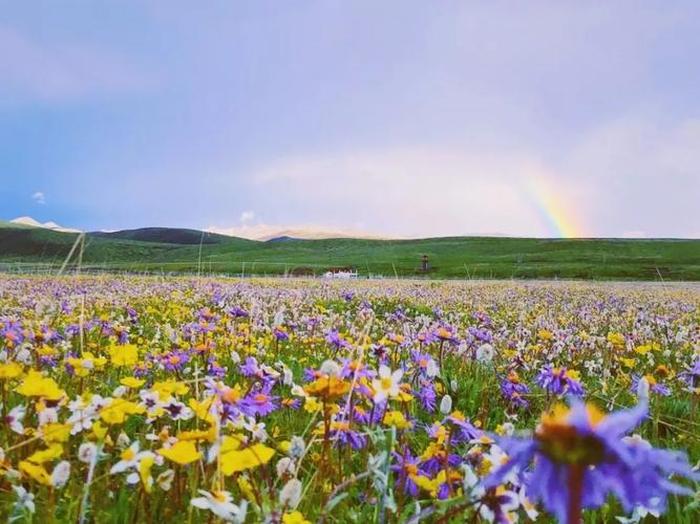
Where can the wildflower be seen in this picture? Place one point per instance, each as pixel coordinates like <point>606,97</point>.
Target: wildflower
<point>446,404</point>
<point>560,381</point>
<point>10,370</point>
<point>294,517</point>
<point>653,385</point>
<point>25,500</point>
<point>248,458</point>
<point>220,504</point>
<point>691,377</point>
<point>290,495</point>
<point>580,457</point>
<point>36,385</point>
<point>123,356</point>
<point>514,390</point>
<point>182,452</point>
<point>14,419</point>
<point>60,474</point>
<point>387,385</point>
<point>485,353</point>
<point>87,452</point>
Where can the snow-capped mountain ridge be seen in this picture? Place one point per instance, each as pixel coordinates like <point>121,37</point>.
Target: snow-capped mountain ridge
<point>53,226</point>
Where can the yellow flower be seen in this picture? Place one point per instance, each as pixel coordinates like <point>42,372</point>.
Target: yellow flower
<point>201,409</point>
<point>36,385</point>
<point>132,382</point>
<point>295,517</point>
<point>545,334</point>
<point>99,431</point>
<point>55,432</point>
<point>199,434</point>
<point>396,419</point>
<point>311,405</point>
<point>117,410</point>
<point>35,472</point>
<point>45,455</point>
<point>246,488</point>
<point>169,387</point>
<point>629,362</point>
<point>145,465</point>
<point>182,452</point>
<point>10,370</point>
<point>126,355</point>
<point>248,458</point>
<point>617,340</point>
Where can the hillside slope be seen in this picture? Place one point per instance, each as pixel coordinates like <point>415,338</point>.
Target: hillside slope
<point>458,257</point>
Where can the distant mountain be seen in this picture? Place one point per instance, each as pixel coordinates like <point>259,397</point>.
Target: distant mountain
<point>282,239</point>
<point>53,226</point>
<point>165,235</point>
<point>266,232</point>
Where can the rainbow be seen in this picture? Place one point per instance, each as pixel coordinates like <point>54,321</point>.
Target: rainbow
<point>556,211</point>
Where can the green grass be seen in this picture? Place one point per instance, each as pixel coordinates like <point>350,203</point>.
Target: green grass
<point>456,257</point>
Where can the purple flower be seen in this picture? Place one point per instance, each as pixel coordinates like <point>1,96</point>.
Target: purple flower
<point>691,376</point>
<point>559,381</point>
<point>406,468</point>
<point>654,385</point>
<point>335,340</point>
<point>578,456</point>
<point>513,390</point>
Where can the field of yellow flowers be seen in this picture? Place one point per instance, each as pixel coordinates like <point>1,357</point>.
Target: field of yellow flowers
<point>130,399</point>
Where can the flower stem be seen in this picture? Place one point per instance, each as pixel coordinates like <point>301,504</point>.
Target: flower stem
<point>573,515</point>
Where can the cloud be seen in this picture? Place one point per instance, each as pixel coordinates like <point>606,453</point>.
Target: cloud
<point>247,216</point>
<point>307,231</point>
<point>56,71</point>
<point>39,198</point>
<point>412,191</point>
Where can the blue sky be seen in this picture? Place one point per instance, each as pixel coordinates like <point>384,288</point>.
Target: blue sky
<point>399,118</point>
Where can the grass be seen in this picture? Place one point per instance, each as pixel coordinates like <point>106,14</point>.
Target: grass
<point>455,257</point>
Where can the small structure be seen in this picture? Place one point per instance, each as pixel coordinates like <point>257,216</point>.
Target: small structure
<point>343,273</point>
<point>424,264</point>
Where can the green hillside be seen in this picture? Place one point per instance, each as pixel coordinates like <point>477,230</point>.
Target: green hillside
<point>458,257</point>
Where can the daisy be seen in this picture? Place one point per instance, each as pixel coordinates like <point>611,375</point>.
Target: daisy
<point>387,385</point>
<point>220,504</point>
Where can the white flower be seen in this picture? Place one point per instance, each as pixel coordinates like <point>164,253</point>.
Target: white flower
<point>60,474</point>
<point>643,390</point>
<point>165,479</point>
<point>446,405</point>
<point>123,440</point>
<point>285,467</point>
<point>290,495</point>
<point>120,391</point>
<point>330,367</point>
<point>387,385</point>
<point>14,419</point>
<point>87,452</point>
<point>297,447</point>
<point>432,369</point>
<point>484,353</point>
<point>219,503</point>
<point>25,500</point>
<point>48,416</point>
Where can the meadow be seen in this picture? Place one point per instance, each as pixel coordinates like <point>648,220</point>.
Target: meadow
<point>145,399</point>
<point>169,250</point>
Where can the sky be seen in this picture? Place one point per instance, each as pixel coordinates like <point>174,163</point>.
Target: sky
<point>385,118</point>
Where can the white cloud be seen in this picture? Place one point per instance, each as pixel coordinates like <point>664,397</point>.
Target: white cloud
<point>410,191</point>
<point>39,197</point>
<point>307,231</point>
<point>247,216</point>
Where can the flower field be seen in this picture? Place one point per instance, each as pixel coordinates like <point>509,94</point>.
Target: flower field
<point>131,399</point>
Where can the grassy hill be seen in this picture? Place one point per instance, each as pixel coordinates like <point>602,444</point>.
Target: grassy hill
<point>179,250</point>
